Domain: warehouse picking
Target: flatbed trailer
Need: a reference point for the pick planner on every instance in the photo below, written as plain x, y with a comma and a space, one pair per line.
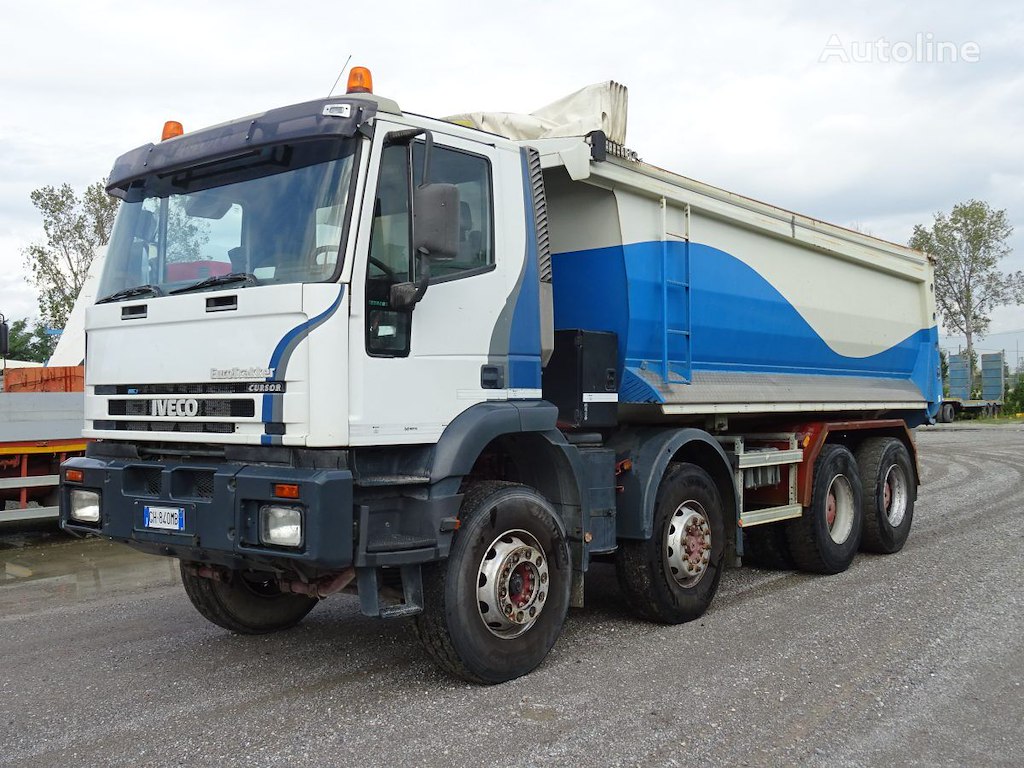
38, 431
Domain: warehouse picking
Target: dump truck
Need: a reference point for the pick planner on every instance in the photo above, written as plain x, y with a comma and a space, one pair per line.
448, 364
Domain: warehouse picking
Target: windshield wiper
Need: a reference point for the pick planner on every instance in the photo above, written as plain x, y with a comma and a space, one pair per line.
230, 277
127, 293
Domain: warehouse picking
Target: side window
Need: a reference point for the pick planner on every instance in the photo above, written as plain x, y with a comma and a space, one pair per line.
387, 330
471, 175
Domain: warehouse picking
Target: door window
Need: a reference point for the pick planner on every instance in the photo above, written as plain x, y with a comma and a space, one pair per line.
390, 258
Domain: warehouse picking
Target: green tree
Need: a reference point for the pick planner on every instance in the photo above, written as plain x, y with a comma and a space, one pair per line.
968, 245
75, 227
33, 344
186, 235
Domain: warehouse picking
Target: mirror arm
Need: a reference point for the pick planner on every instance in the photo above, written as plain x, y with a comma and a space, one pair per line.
408, 295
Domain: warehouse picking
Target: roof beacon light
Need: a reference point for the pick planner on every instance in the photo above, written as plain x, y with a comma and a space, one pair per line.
172, 128
360, 80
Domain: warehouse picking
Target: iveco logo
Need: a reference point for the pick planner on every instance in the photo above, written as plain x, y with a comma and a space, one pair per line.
181, 407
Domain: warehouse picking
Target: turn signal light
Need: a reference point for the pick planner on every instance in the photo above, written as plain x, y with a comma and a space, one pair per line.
286, 491
172, 128
74, 475
360, 80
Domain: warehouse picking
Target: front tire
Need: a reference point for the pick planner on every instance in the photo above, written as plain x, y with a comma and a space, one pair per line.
826, 537
247, 603
673, 576
887, 475
493, 610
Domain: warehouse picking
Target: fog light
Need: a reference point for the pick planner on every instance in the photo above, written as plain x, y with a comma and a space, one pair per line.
281, 526
85, 506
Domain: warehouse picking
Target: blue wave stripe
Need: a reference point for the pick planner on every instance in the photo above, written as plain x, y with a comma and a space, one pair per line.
739, 322
274, 404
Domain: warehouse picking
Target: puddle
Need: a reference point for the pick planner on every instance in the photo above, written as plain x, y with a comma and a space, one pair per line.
42, 566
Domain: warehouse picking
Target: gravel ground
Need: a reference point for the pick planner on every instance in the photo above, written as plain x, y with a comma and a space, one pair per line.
911, 659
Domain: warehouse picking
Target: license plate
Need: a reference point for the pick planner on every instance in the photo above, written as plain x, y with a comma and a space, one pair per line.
167, 518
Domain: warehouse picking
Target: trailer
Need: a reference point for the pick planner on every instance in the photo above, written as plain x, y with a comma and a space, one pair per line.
41, 415
960, 403
446, 364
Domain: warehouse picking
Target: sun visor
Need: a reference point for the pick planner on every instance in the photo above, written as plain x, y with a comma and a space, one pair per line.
598, 107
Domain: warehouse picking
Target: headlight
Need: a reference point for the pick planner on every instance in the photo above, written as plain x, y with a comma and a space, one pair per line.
281, 526
85, 506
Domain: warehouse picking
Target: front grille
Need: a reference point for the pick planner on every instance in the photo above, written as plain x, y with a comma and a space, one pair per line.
212, 408
192, 483
214, 427
145, 481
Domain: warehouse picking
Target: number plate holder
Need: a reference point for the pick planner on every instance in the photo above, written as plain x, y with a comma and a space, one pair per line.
163, 518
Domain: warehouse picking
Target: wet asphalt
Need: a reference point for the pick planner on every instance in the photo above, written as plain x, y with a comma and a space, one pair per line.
910, 659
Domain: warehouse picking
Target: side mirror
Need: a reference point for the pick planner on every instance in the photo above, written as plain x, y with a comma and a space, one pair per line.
436, 221
435, 226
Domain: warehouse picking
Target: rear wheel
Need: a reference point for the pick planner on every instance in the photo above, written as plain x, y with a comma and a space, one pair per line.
887, 477
246, 602
825, 538
493, 610
673, 576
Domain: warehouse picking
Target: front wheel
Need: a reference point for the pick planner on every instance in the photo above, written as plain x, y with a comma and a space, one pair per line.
493, 610
245, 602
673, 576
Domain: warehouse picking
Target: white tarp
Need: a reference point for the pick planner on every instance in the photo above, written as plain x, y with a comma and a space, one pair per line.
598, 107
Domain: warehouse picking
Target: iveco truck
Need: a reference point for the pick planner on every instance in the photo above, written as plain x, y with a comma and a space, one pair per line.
448, 364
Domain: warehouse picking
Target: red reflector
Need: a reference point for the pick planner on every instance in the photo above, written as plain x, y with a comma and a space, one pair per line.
74, 475
286, 491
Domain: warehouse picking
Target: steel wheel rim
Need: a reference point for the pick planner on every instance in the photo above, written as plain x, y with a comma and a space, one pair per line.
688, 544
894, 495
839, 511
512, 584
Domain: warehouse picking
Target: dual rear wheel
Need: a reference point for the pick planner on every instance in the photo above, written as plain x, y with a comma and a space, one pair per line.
860, 500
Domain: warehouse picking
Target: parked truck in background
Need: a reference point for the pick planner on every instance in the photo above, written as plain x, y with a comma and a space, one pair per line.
41, 411
960, 402
447, 364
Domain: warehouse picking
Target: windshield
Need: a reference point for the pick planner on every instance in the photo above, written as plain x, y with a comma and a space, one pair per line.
274, 215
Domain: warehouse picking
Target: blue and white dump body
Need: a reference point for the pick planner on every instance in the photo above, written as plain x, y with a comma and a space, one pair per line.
725, 305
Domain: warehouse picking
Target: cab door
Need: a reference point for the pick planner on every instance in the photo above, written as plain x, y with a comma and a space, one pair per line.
413, 371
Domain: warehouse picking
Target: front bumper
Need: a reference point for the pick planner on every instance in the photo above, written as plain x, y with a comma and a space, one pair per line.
221, 504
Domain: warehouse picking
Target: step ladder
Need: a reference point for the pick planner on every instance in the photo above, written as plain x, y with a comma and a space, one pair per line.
675, 292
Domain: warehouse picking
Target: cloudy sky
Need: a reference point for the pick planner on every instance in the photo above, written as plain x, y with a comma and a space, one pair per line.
833, 111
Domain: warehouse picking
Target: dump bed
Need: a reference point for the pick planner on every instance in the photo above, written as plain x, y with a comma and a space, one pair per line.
726, 305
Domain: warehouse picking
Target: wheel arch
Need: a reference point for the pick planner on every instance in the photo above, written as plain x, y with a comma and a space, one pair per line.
481, 441
649, 452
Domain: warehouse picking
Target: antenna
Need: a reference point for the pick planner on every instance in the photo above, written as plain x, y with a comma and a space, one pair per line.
343, 68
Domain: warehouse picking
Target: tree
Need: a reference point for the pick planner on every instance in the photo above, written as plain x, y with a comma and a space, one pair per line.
75, 227
968, 245
32, 344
